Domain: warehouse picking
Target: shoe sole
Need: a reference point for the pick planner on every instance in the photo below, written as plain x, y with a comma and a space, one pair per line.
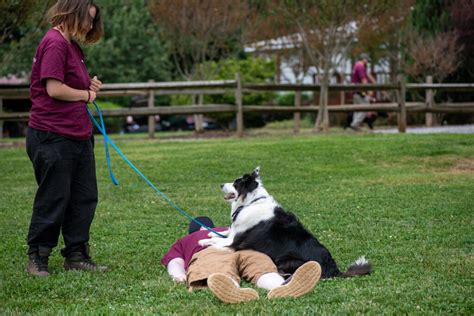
303, 281
225, 289
41, 274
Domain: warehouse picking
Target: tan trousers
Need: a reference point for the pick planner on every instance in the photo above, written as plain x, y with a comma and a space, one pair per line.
359, 117
248, 264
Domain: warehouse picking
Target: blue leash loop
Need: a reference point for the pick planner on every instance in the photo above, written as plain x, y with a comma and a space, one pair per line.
108, 141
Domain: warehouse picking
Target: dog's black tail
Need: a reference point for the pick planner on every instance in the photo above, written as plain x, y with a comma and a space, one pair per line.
360, 267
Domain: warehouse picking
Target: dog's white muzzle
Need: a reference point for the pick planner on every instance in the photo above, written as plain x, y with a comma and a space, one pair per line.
230, 193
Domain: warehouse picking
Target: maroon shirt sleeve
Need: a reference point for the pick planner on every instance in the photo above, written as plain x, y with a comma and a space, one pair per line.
53, 63
187, 246
176, 251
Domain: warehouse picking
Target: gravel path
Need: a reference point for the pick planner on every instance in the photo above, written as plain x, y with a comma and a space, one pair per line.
456, 129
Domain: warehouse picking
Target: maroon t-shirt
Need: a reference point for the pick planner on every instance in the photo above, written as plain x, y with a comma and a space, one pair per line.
187, 246
359, 72
58, 59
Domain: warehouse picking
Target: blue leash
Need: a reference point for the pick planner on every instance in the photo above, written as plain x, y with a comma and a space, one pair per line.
107, 140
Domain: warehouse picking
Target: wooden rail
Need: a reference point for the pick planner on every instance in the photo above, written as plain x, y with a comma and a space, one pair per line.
199, 88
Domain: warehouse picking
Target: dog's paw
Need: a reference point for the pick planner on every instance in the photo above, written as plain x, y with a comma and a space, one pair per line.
205, 242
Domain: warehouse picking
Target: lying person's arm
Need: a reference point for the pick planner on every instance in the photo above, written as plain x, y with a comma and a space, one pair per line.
173, 260
176, 270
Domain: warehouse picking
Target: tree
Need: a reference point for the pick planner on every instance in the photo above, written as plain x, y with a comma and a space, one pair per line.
324, 29
17, 13
22, 25
131, 50
197, 31
383, 36
462, 17
434, 18
431, 16
437, 56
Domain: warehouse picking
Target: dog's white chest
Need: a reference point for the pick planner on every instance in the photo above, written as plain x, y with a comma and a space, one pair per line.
252, 215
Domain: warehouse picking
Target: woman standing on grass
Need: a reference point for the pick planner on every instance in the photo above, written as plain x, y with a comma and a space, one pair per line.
59, 140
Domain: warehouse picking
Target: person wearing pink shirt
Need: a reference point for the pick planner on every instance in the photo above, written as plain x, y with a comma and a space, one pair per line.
59, 140
360, 76
221, 270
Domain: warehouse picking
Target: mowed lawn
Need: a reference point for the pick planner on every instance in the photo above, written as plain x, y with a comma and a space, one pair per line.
406, 202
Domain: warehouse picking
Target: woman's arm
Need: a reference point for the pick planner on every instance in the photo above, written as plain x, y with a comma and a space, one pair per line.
58, 90
176, 270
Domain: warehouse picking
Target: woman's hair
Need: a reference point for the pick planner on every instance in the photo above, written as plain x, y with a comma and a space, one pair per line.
74, 16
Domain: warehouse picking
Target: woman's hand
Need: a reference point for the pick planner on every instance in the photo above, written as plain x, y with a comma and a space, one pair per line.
91, 96
95, 85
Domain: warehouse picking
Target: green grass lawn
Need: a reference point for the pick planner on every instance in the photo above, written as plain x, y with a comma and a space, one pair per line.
406, 202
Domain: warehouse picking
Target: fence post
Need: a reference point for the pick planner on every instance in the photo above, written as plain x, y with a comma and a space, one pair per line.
1, 122
151, 117
429, 103
238, 103
297, 115
199, 118
402, 115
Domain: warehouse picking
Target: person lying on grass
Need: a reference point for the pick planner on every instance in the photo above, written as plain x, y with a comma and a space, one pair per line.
221, 270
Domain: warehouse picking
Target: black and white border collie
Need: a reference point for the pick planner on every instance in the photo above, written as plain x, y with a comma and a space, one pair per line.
261, 224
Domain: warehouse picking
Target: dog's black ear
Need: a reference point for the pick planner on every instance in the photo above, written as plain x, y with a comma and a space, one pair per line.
256, 172
250, 183
246, 184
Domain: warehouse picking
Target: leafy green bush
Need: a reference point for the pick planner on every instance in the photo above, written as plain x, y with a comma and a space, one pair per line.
288, 99
252, 70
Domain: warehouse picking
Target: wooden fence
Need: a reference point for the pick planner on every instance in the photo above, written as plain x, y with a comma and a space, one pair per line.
238, 88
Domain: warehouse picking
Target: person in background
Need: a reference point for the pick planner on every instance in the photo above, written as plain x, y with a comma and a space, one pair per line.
221, 270
59, 139
361, 76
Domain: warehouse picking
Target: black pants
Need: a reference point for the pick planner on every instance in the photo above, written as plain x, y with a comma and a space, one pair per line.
67, 191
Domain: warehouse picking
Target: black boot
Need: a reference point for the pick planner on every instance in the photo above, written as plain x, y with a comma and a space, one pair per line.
38, 262
80, 260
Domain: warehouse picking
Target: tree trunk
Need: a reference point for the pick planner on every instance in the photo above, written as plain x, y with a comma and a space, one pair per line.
322, 119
